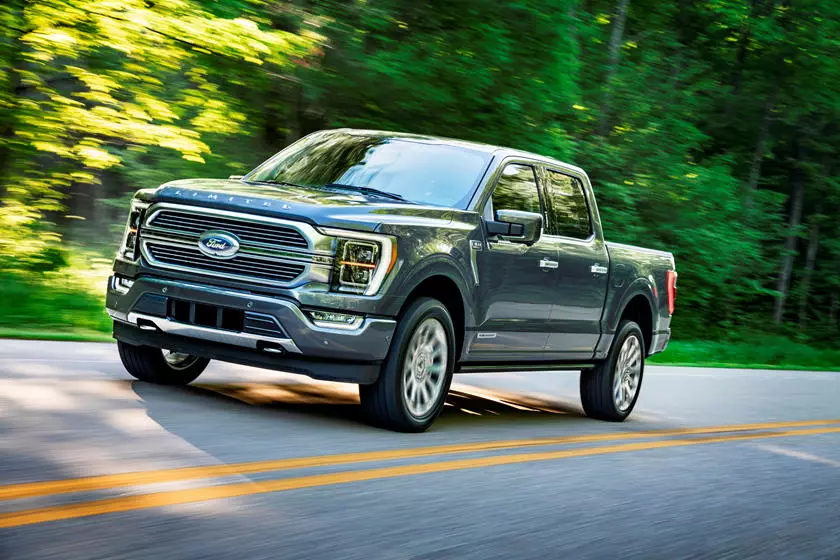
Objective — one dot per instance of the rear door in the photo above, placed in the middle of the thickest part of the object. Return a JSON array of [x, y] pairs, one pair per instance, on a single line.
[[516, 282], [582, 275]]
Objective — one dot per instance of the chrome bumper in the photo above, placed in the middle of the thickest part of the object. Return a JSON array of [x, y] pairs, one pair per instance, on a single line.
[[248, 340], [369, 341]]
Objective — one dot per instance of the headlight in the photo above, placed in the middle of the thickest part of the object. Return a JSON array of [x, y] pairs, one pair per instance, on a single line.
[[362, 261], [128, 247]]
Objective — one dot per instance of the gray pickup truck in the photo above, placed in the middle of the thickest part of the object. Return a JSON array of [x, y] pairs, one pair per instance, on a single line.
[[391, 261]]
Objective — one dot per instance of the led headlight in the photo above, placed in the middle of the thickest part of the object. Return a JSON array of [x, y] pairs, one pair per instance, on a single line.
[[128, 247], [362, 261]]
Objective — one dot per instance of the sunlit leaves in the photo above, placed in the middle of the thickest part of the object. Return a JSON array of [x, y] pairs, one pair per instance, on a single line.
[[88, 81]]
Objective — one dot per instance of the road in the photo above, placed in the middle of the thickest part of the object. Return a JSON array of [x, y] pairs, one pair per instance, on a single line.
[[254, 464]]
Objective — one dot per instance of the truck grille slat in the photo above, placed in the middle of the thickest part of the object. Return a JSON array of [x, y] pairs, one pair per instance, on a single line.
[[237, 265], [241, 232], [240, 262], [245, 231]]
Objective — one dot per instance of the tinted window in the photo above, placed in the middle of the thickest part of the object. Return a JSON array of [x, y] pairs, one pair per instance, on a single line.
[[517, 189], [566, 206], [418, 170]]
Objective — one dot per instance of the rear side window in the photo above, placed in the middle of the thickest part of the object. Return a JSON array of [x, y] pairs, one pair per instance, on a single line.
[[517, 190], [566, 208]]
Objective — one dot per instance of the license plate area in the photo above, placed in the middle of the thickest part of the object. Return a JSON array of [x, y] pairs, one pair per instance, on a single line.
[[204, 315]]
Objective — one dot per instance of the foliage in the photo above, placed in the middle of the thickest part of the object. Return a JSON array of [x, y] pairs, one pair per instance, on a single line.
[[70, 299], [753, 351], [701, 123]]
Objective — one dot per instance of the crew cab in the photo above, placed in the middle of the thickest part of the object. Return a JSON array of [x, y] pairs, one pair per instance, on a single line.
[[391, 261]]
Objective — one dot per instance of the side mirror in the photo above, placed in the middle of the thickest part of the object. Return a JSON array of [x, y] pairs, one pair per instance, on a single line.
[[236, 177], [518, 226]]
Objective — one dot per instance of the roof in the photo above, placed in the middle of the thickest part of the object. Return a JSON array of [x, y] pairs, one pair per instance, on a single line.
[[500, 151]]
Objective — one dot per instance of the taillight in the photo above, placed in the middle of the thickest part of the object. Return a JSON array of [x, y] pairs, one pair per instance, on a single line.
[[672, 290]]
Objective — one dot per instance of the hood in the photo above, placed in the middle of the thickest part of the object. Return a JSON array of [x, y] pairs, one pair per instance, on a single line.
[[316, 206]]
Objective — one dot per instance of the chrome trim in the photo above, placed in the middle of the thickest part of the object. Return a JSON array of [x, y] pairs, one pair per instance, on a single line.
[[117, 315], [317, 258], [549, 264], [213, 335], [475, 247], [313, 236]]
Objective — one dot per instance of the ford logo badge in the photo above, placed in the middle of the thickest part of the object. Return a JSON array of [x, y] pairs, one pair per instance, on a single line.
[[218, 244]]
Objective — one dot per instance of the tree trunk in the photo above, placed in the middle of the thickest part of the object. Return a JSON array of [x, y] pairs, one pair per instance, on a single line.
[[810, 263], [614, 51], [760, 148], [783, 282]]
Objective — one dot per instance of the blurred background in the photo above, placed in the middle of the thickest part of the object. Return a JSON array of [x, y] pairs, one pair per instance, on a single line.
[[709, 128]]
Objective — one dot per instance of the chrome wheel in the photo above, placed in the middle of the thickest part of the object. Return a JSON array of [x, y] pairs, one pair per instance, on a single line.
[[628, 373], [424, 367], [177, 360]]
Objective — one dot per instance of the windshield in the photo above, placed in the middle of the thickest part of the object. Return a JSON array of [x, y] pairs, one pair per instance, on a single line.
[[415, 170]]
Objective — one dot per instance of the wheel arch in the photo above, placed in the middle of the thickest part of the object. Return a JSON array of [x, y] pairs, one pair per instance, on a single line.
[[638, 307], [442, 281]]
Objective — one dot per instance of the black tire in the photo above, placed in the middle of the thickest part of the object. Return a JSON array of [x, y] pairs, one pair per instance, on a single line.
[[597, 384], [383, 402], [149, 364]]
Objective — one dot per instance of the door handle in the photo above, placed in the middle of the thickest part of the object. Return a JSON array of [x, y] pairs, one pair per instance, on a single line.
[[548, 264]]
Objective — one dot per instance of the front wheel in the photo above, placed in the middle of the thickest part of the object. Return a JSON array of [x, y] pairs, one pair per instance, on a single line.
[[412, 386], [163, 367], [609, 391]]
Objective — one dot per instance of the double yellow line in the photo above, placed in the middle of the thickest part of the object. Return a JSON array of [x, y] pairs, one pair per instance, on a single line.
[[708, 435]]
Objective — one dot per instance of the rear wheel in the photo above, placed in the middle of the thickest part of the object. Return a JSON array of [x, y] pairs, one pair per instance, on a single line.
[[412, 386], [160, 366], [609, 391]]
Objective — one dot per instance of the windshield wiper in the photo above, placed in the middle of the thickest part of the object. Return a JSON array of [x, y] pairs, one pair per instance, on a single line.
[[367, 190], [285, 183]]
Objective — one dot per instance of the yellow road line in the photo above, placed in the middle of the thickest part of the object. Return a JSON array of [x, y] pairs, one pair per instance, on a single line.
[[86, 484], [175, 497]]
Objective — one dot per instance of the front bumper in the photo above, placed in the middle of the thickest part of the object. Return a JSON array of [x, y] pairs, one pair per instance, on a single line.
[[142, 317]]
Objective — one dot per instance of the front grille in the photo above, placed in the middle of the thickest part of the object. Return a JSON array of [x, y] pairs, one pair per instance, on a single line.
[[272, 251], [183, 256], [247, 231]]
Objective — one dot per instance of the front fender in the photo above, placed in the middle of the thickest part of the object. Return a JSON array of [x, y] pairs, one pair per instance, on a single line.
[[434, 265]]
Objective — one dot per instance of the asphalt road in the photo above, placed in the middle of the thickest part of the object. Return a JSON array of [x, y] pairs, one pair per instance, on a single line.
[[254, 464]]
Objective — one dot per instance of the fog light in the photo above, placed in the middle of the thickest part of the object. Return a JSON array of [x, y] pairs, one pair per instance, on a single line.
[[121, 285], [333, 320]]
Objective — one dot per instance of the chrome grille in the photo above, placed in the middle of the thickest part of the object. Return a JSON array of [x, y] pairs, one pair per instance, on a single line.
[[240, 265], [272, 251], [248, 231]]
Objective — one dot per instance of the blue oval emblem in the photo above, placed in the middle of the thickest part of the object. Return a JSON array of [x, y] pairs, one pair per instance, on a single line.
[[218, 244]]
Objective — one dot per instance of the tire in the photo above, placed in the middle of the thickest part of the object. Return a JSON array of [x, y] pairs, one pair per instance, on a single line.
[[601, 397], [154, 366], [422, 357]]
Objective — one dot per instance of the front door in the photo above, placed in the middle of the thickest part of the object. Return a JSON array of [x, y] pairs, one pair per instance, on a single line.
[[517, 282]]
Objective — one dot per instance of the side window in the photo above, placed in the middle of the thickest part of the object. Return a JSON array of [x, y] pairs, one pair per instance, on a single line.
[[516, 189], [566, 207]]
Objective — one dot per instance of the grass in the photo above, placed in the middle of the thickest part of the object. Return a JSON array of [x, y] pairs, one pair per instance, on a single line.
[[762, 352], [68, 304]]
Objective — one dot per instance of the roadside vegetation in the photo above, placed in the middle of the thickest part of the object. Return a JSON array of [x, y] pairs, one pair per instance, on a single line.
[[710, 129]]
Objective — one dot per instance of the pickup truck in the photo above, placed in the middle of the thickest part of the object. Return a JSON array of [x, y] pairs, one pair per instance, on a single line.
[[391, 261]]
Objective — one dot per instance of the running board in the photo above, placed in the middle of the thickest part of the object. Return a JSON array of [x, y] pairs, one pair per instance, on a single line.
[[513, 368]]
